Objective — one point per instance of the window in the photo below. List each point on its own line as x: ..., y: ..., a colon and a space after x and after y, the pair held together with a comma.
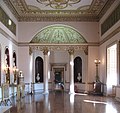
x: 111, y: 67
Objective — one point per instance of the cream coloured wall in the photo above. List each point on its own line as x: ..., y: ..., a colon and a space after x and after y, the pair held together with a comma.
x: 55, y: 57
x: 24, y: 62
x: 27, y: 30
x: 103, y: 54
x: 92, y: 55
x: 111, y: 40
x: 7, y: 39
x: 5, y: 42
x: 89, y: 31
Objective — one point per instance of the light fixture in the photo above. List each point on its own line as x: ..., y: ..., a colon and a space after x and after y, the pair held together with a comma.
x: 9, y: 22
x: 97, y: 62
x: 7, y: 74
x: 6, y: 68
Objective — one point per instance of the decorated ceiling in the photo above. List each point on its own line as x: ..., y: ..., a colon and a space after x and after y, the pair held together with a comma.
x: 58, y: 34
x: 58, y: 10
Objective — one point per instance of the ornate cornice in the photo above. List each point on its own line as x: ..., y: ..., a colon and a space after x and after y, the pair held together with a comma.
x: 23, y: 12
x: 59, y: 18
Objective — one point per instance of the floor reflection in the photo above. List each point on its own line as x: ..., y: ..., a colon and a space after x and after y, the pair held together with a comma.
x: 63, y: 102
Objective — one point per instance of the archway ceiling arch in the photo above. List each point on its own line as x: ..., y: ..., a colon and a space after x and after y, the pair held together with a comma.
x: 58, y: 34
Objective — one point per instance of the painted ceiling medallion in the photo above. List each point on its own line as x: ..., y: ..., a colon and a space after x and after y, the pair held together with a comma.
x: 58, y: 4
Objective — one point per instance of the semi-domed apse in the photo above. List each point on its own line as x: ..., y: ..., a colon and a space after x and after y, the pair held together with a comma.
x: 58, y: 34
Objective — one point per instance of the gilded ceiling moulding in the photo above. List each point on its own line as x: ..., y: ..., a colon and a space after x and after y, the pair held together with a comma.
x: 24, y: 12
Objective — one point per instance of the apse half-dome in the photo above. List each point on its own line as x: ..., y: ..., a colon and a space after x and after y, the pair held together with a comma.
x: 58, y: 34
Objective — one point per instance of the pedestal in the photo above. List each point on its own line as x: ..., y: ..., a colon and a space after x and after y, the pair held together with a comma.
x: 98, y: 88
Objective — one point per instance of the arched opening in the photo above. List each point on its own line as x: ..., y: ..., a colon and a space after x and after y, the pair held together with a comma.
x: 78, y: 70
x: 15, y: 70
x: 7, y: 65
x: 14, y: 59
x: 38, y: 70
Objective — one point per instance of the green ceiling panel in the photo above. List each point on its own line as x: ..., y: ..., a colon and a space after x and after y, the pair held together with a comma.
x: 58, y: 34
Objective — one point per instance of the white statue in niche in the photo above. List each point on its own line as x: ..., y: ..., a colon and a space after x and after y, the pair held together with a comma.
x: 38, y: 77
x: 79, y: 78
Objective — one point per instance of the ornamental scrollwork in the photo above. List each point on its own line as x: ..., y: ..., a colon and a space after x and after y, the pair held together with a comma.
x: 58, y: 4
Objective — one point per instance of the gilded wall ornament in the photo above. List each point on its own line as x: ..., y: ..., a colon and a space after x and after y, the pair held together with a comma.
x: 55, y: 47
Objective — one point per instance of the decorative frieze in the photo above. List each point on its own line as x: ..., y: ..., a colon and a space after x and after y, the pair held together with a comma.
x: 47, y: 48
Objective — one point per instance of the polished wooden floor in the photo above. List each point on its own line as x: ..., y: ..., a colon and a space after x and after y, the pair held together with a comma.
x: 63, y: 102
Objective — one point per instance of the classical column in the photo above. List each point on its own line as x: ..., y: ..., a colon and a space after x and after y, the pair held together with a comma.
x: 46, y: 104
x: 32, y: 66
x: 45, y: 52
x: 72, y: 96
x: 71, y: 72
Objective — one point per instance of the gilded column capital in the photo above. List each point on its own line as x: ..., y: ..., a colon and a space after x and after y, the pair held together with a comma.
x: 86, y: 51
x: 71, y: 51
x: 45, y: 51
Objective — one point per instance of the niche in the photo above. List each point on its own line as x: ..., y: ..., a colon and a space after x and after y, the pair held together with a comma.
x: 38, y: 70
x: 78, y: 70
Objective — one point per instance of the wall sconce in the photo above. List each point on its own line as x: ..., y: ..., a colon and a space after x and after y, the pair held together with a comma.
x: 97, y: 62
x: 7, y: 73
x: 6, y: 69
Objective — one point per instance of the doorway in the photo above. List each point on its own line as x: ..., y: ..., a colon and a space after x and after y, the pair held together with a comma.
x: 111, y: 67
x: 58, y: 78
